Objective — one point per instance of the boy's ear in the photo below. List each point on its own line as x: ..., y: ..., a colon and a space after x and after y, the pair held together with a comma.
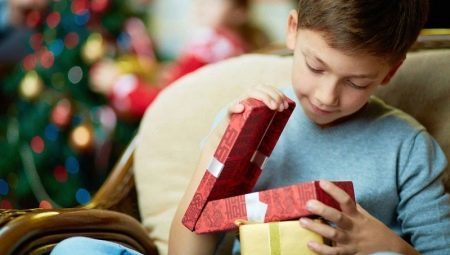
x: 291, y: 34
x: 391, y: 72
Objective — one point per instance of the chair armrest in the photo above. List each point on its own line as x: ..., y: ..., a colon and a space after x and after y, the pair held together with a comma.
x: 38, y: 231
x: 118, y: 192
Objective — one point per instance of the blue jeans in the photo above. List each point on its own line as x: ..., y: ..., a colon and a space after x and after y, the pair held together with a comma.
x: 89, y: 246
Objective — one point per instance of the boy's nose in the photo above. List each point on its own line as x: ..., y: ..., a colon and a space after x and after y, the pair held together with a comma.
x: 327, y: 93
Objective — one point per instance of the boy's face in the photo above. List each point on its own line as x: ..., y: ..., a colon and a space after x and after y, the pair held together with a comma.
x: 329, y: 83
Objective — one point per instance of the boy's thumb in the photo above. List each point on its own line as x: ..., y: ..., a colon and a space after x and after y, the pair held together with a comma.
x: 236, y: 108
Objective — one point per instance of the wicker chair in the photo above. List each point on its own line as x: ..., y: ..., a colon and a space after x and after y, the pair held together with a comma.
x: 112, y: 215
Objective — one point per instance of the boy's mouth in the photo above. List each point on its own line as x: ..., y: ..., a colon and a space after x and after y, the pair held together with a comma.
x: 319, y: 110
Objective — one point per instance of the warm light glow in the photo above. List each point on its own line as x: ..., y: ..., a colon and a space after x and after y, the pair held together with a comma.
x: 81, y: 137
x: 31, y: 85
x: 44, y: 214
x: 94, y: 48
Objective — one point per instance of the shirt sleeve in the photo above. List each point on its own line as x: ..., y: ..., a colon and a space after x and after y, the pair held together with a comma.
x: 424, y: 207
x: 219, y: 117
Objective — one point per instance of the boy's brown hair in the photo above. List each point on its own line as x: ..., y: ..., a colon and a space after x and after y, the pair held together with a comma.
x: 385, y: 28
x: 242, y: 3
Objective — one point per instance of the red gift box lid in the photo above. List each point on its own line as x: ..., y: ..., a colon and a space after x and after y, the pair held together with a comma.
x: 279, y: 204
x: 246, y: 144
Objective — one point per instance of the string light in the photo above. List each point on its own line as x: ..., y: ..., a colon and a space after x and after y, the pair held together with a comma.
x: 5, y: 204
x: 79, y: 6
x: 53, y: 19
x: 29, y: 62
x: 44, y: 204
x: 51, y: 132
x: 82, y: 196
x: 57, y: 47
x: 72, y: 165
x: 71, y: 40
x: 47, y: 59
x: 36, y: 41
x: 37, y: 144
x: 4, y: 187
x: 31, y: 85
x: 60, y: 174
x: 75, y: 74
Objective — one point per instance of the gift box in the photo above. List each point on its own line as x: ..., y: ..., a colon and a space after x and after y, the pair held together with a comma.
x: 285, y: 203
x: 246, y: 144
x: 223, y: 197
x: 280, y: 238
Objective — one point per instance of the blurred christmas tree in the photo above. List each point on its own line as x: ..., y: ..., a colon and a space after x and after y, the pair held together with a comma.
x: 59, y: 137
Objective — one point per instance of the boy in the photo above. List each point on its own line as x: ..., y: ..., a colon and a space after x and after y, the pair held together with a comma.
x: 343, y: 50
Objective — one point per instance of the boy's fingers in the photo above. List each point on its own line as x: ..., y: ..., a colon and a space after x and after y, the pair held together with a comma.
x: 329, y: 213
x: 346, y: 203
x: 236, y: 108
x: 276, y: 95
x: 324, y: 230
x: 328, y: 250
x: 267, y: 99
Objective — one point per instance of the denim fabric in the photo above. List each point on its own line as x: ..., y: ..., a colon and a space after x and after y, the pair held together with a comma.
x: 89, y: 246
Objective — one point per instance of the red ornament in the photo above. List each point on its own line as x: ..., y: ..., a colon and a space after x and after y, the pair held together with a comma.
x: 71, y: 40
x: 47, y: 59
x: 44, y: 204
x: 37, y: 144
x: 34, y: 18
x: 36, y: 41
x: 53, y: 19
x: 79, y: 6
x: 99, y: 5
x: 60, y: 174
x: 131, y: 96
x: 62, y: 113
x: 29, y: 62
x: 5, y: 204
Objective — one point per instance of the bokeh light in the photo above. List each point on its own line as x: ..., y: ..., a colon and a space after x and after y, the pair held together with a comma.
x: 51, y: 132
x: 4, y: 187
x: 60, y: 174
x: 53, y: 19
x: 5, y: 204
x: 75, y: 74
x: 71, y: 40
x: 37, y: 144
x: 82, y: 196
x: 44, y: 204
x: 72, y: 165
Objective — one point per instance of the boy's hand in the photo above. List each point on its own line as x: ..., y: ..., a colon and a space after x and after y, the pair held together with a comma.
x: 272, y: 97
x: 355, y: 231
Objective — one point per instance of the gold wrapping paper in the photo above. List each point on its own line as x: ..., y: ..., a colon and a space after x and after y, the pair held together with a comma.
x: 276, y: 238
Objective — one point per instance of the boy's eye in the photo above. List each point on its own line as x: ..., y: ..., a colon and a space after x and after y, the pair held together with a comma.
x: 356, y: 86
x: 312, y: 69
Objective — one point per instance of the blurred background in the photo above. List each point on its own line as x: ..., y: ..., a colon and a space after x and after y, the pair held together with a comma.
x: 76, y: 77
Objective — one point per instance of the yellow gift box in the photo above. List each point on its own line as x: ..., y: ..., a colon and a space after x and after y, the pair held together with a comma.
x: 276, y: 238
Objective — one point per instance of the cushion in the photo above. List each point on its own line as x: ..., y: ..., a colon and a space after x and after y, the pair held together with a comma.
x: 174, y: 126
x: 422, y: 89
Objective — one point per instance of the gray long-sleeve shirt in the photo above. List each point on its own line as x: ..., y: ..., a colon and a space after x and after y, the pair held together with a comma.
x: 394, y: 163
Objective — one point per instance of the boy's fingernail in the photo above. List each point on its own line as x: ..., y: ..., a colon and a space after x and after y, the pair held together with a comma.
x: 304, y: 221
x: 312, y: 245
x: 273, y: 104
x: 310, y: 205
